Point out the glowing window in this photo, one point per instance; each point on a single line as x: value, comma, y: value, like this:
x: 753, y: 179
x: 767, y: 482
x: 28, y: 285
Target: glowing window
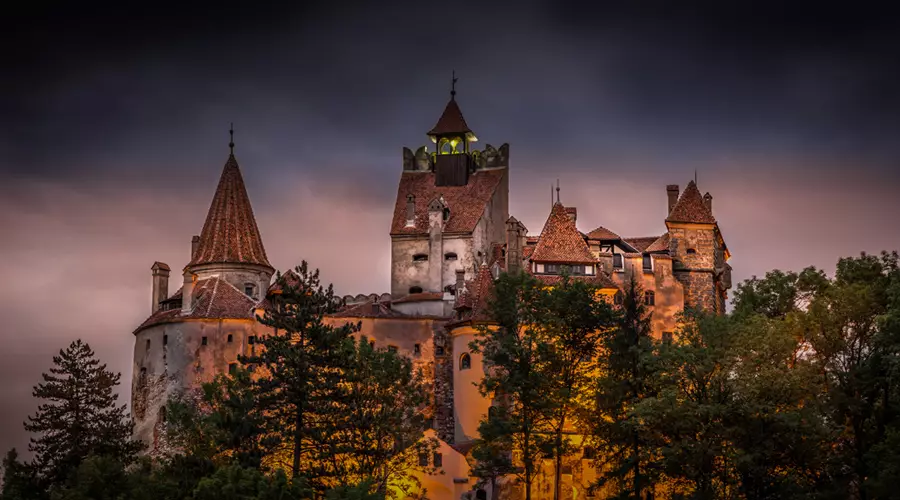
x: 465, y: 361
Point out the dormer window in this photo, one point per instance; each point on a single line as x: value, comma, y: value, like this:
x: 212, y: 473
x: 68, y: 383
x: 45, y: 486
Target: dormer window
x: 618, y: 262
x: 647, y: 263
x: 420, y: 257
x: 450, y: 256
x: 446, y: 214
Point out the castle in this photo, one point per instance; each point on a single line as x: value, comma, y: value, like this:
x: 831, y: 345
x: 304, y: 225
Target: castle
x: 451, y: 235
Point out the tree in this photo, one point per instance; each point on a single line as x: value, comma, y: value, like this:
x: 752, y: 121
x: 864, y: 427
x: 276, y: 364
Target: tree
x: 300, y: 373
x: 80, y: 416
x: 20, y: 480
x: 627, y: 376
x: 517, y: 373
x: 234, y: 482
x: 573, y: 319
x: 779, y: 293
x: 492, y: 451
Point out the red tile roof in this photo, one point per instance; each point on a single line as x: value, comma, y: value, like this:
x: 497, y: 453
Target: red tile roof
x: 369, y: 309
x: 601, y: 233
x: 230, y: 233
x: 451, y: 121
x: 690, y: 207
x: 473, y: 303
x: 466, y: 203
x: 212, y: 298
x: 641, y: 243
x: 560, y: 240
x: 601, y: 280
x: 660, y: 245
x: 420, y: 297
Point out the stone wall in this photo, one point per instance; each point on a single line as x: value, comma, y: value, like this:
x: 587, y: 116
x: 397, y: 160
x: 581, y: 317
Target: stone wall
x: 444, y: 422
x: 699, y: 289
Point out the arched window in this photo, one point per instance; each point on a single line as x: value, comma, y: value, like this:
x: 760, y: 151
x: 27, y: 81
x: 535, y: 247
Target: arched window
x: 415, y: 289
x: 450, y: 256
x: 465, y: 361
x: 691, y: 251
x: 420, y: 257
x: 649, y: 298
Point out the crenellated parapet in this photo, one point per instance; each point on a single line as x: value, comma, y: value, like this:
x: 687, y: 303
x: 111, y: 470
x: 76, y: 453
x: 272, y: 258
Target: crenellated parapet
x: 424, y: 161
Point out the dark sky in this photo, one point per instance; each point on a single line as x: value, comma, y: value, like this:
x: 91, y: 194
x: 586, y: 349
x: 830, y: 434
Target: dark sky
x: 114, y: 131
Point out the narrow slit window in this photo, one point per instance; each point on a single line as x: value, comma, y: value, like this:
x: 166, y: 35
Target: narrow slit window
x: 420, y: 257
x: 417, y: 349
x: 165, y: 340
x: 204, y: 341
x: 230, y: 338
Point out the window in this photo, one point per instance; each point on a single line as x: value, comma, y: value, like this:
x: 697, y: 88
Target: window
x: 148, y: 344
x: 438, y: 459
x: 372, y: 344
x: 165, y: 340
x: 446, y: 214
x: 649, y: 298
x: 439, y: 350
x: 420, y: 257
x: 232, y: 368
x: 648, y: 262
x: 465, y: 361
x: 143, y: 371
x: 576, y: 270
x: 480, y: 494
x: 450, y: 256
x: 249, y: 289
x: 551, y: 268
x: 691, y: 251
x: 251, y: 339
x: 667, y: 337
x: 415, y: 289
x: 618, y: 299
x: 417, y: 349
x: 392, y: 348
x: 589, y: 453
x: 204, y: 341
x: 230, y: 338
x: 618, y: 263
x: 607, y: 248
x: 451, y: 289
x: 423, y: 460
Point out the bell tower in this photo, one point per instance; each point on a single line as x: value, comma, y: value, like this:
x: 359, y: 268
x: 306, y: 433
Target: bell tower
x: 451, y: 134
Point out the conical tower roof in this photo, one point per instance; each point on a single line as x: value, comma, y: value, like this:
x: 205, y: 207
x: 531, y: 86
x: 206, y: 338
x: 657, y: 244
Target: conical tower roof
x: 451, y: 122
x: 690, y: 208
x: 230, y: 234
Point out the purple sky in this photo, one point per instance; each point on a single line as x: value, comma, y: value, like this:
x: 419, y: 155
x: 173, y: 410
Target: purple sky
x: 115, y: 132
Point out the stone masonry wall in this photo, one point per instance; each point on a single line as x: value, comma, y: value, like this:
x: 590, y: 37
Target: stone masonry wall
x: 444, y: 423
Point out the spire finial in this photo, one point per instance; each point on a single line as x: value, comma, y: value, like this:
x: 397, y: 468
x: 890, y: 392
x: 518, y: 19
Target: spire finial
x: 557, y: 190
x: 231, y: 134
x: 695, y: 176
x: 453, y: 85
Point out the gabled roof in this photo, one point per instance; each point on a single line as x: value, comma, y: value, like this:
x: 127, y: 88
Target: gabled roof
x: 560, y: 240
x: 601, y: 233
x: 466, y: 203
x: 660, y: 245
x: 212, y: 298
x: 230, y: 234
x: 690, y: 207
x: 368, y: 309
x: 451, y: 121
x: 641, y: 243
x: 473, y: 302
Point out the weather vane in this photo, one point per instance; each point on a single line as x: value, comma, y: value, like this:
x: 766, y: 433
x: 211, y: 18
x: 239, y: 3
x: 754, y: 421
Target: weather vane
x: 231, y: 134
x: 453, y: 85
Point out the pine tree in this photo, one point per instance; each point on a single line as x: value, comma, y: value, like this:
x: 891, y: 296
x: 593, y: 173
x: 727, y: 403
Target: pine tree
x: 79, y: 417
x: 20, y: 481
x: 627, y: 376
x: 300, y: 370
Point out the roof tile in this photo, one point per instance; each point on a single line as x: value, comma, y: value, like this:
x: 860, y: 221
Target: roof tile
x: 560, y: 240
x: 690, y: 207
x: 212, y: 298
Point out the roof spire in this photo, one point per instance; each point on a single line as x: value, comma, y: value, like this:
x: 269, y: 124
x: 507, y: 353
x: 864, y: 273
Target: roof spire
x: 231, y: 134
x: 695, y: 176
x: 453, y: 86
x: 557, y: 190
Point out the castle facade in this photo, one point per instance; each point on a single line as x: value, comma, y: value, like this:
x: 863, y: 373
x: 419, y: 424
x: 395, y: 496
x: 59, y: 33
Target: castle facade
x: 451, y: 236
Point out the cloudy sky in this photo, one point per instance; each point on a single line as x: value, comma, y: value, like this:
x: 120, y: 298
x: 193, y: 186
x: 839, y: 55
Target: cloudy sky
x: 114, y: 132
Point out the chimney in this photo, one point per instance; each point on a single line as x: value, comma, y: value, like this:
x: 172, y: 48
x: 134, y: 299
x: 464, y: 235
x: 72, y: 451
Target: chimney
x: 410, y: 211
x: 573, y: 213
x: 707, y: 200
x: 672, y: 191
x: 160, y: 284
x: 195, y: 244
x: 513, y: 246
x: 187, y: 291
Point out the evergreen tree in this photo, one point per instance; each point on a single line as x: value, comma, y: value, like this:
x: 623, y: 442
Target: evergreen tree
x: 20, y: 480
x: 79, y: 416
x: 628, y: 373
x: 517, y: 371
x: 300, y: 369
x: 492, y: 452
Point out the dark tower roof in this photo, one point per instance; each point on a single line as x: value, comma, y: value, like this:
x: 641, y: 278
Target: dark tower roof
x: 451, y: 122
x: 230, y: 234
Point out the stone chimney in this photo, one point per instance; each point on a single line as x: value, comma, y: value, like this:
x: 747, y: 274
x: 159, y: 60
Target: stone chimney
x: 410, y: 211
x: 437, y: 213
x: 160, y: 284
x: 707, y: 200
x: 572, y: 212
x: 187, y: 291
x: 195, y: 244
x: 513, y: 246
x: 672, y: 191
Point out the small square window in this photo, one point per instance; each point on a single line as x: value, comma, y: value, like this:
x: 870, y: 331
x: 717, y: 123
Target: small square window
x: 417, y: 349
x: 423, y: 460
x: 204, y: 341
x: 438, y: 460
x: 392, y: 348
x: 439, y: 350
x: 230, y: 338
x: 251, y: 339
